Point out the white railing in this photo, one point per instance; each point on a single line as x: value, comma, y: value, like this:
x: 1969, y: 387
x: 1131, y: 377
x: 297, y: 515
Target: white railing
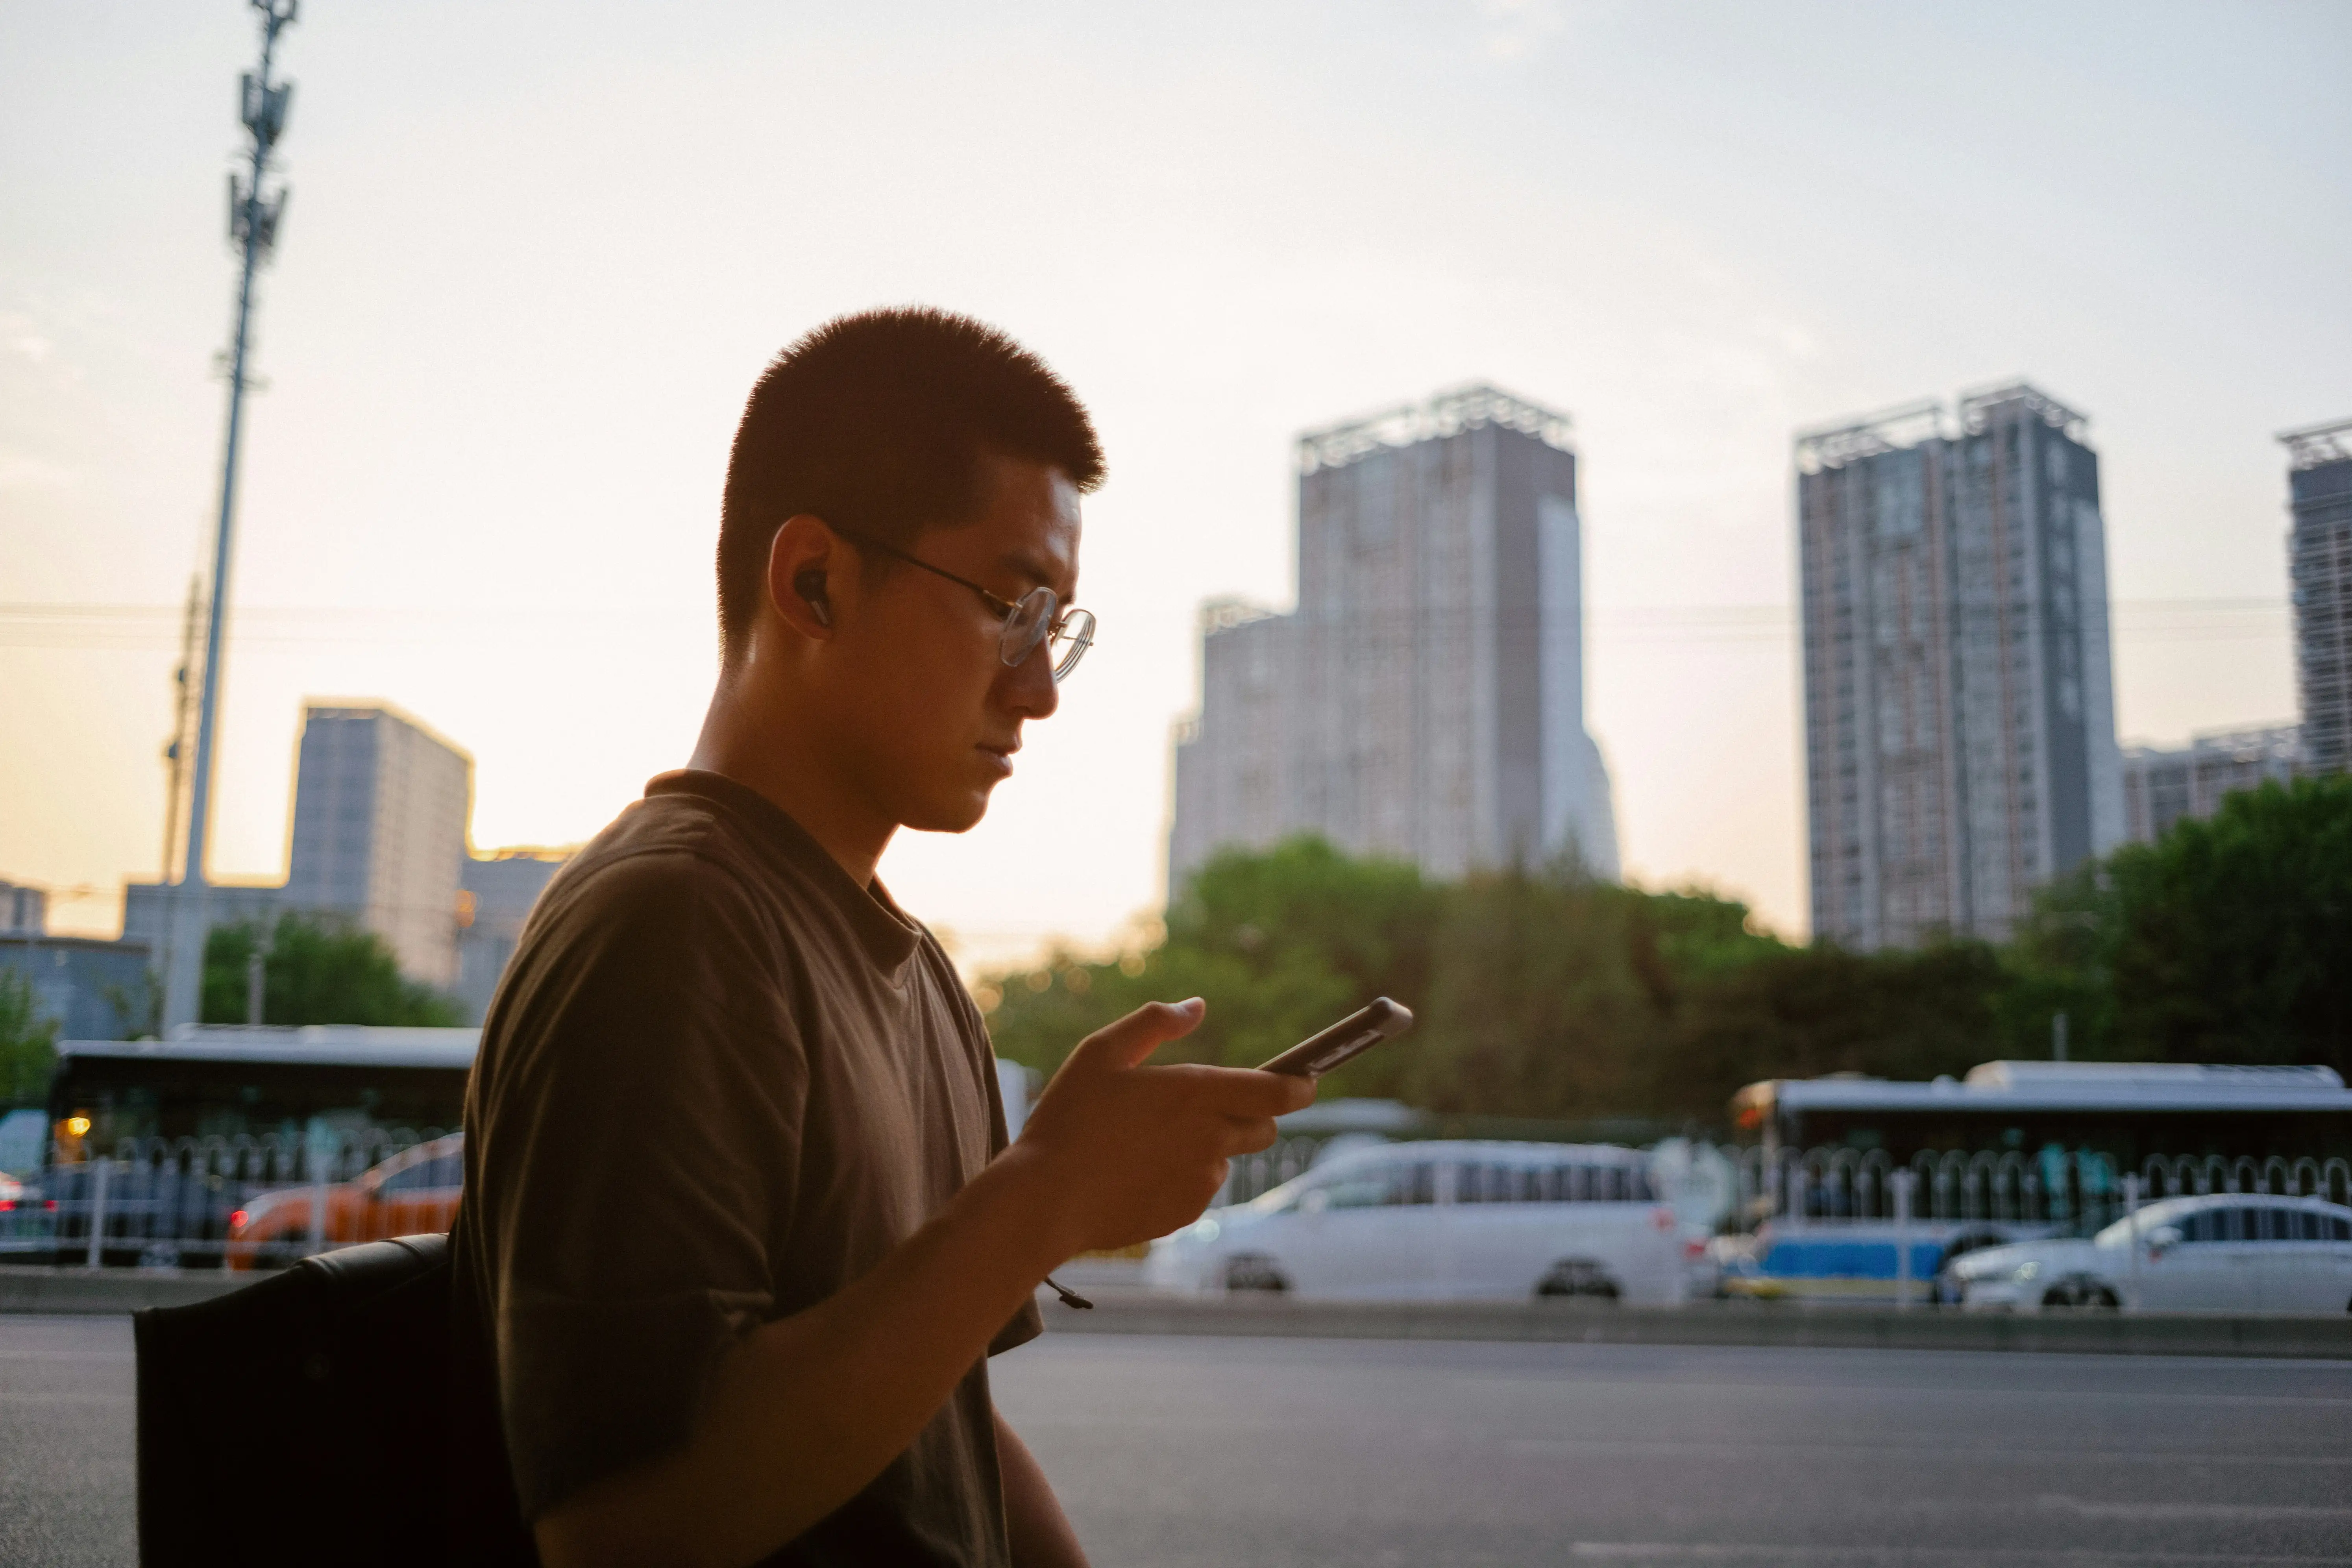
x: 169, y: 1202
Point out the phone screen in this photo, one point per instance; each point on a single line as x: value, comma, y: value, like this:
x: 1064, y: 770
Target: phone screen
x: 1351, y: 1036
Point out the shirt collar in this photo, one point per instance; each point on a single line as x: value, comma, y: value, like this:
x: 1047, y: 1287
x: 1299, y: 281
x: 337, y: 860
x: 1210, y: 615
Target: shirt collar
x: 887, y: 933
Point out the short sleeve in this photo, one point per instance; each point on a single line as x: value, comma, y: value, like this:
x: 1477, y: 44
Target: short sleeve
x: 636, y: 1141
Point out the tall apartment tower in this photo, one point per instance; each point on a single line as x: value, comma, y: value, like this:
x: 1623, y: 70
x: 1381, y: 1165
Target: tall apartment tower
x: 1425, y: 701
x: 1959, y: 712
x: 2319, y: 490
x: 381, y: 804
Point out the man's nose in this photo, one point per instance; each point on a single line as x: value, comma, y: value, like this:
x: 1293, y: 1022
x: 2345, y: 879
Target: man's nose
x: 1028, y: 688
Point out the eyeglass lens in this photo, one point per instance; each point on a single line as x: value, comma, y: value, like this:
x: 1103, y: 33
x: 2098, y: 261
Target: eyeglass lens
x: 1033, y: 621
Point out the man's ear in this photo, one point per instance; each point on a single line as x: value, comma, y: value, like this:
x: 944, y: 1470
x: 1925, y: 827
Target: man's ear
x: 806, y: 560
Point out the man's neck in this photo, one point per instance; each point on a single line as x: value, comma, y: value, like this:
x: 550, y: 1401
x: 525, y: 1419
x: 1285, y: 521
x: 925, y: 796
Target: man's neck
x: 750, y: 736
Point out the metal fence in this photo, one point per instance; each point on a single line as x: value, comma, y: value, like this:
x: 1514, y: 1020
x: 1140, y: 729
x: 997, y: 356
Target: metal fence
x: 171, y: 1204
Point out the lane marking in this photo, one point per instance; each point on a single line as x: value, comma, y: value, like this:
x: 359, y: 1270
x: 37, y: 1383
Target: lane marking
x: 1544, y: 1447
x: 2231, y: 1511
x: 1905, y: 1556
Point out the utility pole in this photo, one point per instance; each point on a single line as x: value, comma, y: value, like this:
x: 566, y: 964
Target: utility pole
x: 252, y: 218
x: 175, y: 754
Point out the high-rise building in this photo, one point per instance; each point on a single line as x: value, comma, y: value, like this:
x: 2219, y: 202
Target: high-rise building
x: 2319, y: 489
x: 1959, y: 712
x: 1425, y: 701
x: 2164, y: 784
x: 381, y: 804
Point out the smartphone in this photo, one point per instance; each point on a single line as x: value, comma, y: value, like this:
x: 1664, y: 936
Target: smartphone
x: 1351, y: 1036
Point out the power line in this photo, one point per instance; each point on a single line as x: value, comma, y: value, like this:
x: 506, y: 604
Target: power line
x: 31, y: 624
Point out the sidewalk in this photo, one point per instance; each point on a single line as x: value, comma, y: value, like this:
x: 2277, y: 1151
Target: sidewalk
x: 1121, y: 1307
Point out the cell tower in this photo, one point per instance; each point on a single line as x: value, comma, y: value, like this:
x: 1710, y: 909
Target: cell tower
x: 254, y: 215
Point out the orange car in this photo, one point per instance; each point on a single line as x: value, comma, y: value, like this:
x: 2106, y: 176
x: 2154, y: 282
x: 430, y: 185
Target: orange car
x: 415, y: 1191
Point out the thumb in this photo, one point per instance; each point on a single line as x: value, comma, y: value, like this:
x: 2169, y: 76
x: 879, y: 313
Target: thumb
x: 1128, y: 1042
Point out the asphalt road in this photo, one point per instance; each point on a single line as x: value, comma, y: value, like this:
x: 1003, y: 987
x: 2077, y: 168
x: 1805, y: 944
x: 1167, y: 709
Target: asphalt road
x: 1270, y: 1453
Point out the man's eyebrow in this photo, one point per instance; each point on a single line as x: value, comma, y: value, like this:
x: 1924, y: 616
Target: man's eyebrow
x: 1029, y: 566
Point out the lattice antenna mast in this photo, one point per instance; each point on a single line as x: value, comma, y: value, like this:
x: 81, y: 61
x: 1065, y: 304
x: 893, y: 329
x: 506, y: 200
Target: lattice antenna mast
x: 254, y: 213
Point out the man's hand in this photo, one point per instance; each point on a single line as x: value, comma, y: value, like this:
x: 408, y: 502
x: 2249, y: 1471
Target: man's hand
x: 805, y: 1410
x: 1136, y: 1152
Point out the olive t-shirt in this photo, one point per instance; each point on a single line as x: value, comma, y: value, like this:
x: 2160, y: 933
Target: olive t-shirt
x: 720, y: 1081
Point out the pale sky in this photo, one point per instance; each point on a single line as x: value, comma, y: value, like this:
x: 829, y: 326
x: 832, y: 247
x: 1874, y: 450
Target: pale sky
x: 536, y: 252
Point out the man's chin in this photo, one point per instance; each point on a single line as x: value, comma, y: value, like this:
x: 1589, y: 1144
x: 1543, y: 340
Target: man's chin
x: 957, y: 814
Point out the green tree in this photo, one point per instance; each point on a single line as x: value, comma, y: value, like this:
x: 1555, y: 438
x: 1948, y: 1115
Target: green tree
x: 2230, y: 940
x: 28, y: 1042
x: 1805, y: 1011
x: 316, y: 973
x: 1281, y: 942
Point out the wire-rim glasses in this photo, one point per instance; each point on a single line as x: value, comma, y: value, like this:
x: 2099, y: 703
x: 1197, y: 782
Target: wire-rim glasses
x: 1029, y: 621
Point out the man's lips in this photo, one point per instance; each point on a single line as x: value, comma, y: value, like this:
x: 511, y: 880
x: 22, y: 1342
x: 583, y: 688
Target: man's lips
x: 1000, y: 756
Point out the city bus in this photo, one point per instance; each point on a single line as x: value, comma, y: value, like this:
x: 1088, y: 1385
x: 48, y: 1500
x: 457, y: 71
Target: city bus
x: 161, y: 1142
x: 2127, y: 1111
x: 1866, y: 1188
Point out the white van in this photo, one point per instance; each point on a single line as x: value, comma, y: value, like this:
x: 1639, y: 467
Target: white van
x: 1443, y: 1221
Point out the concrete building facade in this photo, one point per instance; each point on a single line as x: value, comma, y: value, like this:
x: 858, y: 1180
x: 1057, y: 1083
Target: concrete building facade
x: 24, y: 910
x: 1959, y: 712
x: 378, y: 836
x: 2162, y: 785
x: 1425, y: 700
x: 381, y: 804
x: 2319, y: 549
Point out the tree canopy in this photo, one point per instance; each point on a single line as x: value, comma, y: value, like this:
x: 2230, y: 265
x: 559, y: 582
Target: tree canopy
x: 27, y: 1041
x: 1540, y: 991
x: 316, y: 973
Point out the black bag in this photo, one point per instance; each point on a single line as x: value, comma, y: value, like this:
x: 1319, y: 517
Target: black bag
x: 322, y: 1404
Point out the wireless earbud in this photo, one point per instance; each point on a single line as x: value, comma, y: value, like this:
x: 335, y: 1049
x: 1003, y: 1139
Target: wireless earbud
x: 810, y: 586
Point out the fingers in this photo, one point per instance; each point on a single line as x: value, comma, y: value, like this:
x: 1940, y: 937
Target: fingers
x: 1249, y: 1137
x: 1244, y: 1091
x: 1134, y: 1038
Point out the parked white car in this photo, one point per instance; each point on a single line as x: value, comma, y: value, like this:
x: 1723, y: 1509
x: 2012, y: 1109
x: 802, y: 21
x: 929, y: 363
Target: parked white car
x: 1446, y: 1221
x: 2227, y: 1253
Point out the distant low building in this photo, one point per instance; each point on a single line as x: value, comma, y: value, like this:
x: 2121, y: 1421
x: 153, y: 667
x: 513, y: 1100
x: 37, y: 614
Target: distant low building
x: 93, y: 989
x: 147, y: 908
x: 24, y: 911
x: 496, y: 895
x: 381, y: 804
x: 2163, y: 785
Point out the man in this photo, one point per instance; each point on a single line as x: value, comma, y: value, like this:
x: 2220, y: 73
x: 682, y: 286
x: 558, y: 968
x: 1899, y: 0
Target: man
x: 740, y: 1226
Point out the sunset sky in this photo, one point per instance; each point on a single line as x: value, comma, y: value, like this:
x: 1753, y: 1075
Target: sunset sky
x: 536, y: 254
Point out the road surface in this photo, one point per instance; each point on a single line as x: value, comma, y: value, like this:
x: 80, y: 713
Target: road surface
x: 1177, y: 1452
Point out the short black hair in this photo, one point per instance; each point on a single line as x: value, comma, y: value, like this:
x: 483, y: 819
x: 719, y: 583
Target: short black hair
x: 879, y: 423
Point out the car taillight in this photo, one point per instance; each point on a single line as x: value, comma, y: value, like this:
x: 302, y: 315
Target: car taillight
x: 236, y: 1221
x: 1694, y: 1250
x: 1662, y: 1219
x: 7, y: 1204
x: 50, y: 1204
